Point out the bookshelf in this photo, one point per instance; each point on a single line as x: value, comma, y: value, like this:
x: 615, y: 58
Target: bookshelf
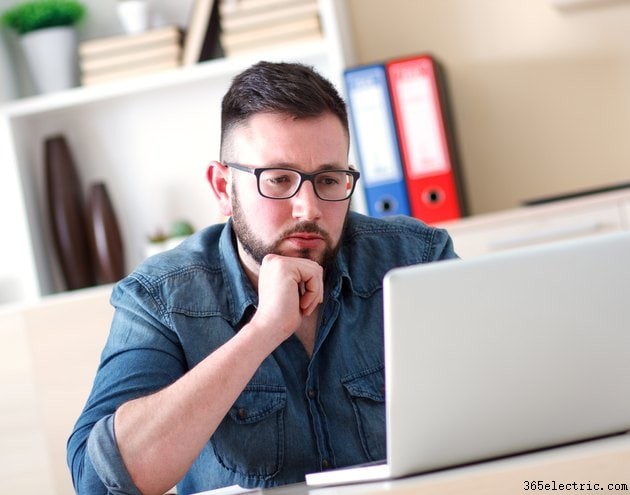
x: 149, y: 139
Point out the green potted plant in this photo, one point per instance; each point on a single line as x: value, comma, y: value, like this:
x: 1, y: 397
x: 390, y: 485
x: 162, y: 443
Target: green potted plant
x: 47, y: 35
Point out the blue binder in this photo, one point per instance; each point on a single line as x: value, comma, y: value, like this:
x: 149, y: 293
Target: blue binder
x: 376, y: 141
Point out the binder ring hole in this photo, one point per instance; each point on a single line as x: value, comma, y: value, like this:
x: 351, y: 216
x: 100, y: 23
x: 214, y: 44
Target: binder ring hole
x: 433, y: 196
x: 385, y: 206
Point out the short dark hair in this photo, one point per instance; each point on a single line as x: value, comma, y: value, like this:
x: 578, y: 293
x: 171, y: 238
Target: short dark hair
x: 293, y: 89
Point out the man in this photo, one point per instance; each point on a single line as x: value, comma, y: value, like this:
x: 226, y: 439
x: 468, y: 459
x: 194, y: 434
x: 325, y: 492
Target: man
x: 253, y: 353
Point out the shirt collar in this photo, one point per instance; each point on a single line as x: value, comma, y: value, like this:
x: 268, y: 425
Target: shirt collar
x: 241, y: 293
x: 340, y: 276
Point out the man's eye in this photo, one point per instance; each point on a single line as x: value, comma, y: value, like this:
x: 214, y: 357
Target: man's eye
x: 281, y: 179
x: 328, y: 180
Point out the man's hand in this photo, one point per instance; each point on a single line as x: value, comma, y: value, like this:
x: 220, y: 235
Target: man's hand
x: 288, y: 290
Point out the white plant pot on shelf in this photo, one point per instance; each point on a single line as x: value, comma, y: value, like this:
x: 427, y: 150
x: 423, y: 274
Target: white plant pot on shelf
x: 133, y: 15
x: 51, y: 54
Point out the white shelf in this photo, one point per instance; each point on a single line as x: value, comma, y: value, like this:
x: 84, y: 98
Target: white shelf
x: 149, y: 139
x: 214, y: 69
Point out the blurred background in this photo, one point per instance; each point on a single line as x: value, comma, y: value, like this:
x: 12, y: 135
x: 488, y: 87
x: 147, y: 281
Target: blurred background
x: 539, y: 90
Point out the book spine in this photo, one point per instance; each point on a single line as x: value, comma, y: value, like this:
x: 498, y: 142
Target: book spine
x: 269, y: 17
x: 268, y: 44
x: 265, y: 33
x: 236, y: 8
x: 107, y: 76
x: 105, y: 46
x: 138, y: 57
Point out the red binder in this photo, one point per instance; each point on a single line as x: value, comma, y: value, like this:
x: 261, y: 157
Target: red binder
x: 425, y: 139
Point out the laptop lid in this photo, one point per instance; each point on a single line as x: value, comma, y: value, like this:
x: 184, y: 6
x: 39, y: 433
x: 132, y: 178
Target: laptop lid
x: 507, y: 353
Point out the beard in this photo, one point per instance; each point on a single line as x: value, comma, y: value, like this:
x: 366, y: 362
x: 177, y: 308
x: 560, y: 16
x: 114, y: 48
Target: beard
x: 258, y: 249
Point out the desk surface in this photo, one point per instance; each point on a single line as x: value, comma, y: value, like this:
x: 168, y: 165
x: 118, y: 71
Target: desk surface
x: 601, y: 466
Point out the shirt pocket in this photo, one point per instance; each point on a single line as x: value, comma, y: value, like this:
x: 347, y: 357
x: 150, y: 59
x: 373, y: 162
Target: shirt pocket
x: 250, y: 439
x: 367, y: 394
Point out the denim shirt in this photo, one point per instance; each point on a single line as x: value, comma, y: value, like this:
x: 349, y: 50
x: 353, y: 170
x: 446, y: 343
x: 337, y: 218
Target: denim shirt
x: 296, y: 415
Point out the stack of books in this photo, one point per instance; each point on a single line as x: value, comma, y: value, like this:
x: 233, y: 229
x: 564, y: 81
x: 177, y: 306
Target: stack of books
x: 249, y: 25
x: 119, y: 57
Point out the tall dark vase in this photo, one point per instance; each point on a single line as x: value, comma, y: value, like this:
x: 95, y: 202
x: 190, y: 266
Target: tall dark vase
x: 67, y: 215
x: 104, y: 233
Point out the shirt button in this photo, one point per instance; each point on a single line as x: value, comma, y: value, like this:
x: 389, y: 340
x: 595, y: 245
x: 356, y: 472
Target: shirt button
x: 312, y: 394
x: 325, y: 464
x: 242, y: 413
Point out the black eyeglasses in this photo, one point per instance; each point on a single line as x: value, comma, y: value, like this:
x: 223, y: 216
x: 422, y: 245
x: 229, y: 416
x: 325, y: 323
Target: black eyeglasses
x: 284, y: 183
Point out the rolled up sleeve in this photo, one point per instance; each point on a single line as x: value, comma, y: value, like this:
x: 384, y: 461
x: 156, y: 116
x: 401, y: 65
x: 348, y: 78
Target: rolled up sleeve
x: 105, y: 459
x: 141, y: 356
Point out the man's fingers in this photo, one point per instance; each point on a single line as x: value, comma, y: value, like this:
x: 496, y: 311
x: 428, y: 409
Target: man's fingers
x: 311, y: 293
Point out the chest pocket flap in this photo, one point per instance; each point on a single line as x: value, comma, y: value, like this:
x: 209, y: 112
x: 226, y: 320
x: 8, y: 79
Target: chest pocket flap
x: 367, y: 385
x: 256, y: 402
x: 256, y: 420
x: 367, y: 393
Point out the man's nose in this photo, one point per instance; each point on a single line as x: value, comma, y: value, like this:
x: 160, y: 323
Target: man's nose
x: 306, y: 204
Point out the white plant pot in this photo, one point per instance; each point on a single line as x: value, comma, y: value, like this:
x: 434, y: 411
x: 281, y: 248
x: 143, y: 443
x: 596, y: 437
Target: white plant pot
x: 51, y: 54
x: 158, y: 247
x: 133, y: 15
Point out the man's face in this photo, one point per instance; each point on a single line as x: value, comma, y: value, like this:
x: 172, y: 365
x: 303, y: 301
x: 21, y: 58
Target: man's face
x: 301, y: 226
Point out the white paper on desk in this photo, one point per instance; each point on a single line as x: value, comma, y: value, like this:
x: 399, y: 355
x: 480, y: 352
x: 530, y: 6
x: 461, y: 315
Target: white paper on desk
x: 229, y: 490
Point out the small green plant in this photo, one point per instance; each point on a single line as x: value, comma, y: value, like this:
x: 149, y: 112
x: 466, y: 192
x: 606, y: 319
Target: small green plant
x: 40, y: 14
x: 178, y: 228
x: 181, y: 228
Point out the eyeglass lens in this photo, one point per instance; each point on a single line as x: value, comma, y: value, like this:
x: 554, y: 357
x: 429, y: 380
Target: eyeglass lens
x: 331, y: 185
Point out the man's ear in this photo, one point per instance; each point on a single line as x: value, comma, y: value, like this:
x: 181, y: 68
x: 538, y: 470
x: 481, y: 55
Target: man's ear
x: 219, y: 178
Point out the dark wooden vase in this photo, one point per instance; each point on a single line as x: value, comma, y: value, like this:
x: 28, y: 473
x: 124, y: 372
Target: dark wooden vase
x: 104, y: 233
x: 67, y: 214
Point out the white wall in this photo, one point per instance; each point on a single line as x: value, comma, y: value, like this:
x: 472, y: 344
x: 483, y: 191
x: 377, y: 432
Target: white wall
x: 541, y: 96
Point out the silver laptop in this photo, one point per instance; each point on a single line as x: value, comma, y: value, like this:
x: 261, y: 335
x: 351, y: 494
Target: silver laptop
x: 503, y: 354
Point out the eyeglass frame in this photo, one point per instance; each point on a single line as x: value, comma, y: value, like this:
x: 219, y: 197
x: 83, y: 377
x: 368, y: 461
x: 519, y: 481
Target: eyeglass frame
x: 257, y: 171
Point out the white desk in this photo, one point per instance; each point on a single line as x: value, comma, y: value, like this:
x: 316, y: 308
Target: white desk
x: 594, y: 464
